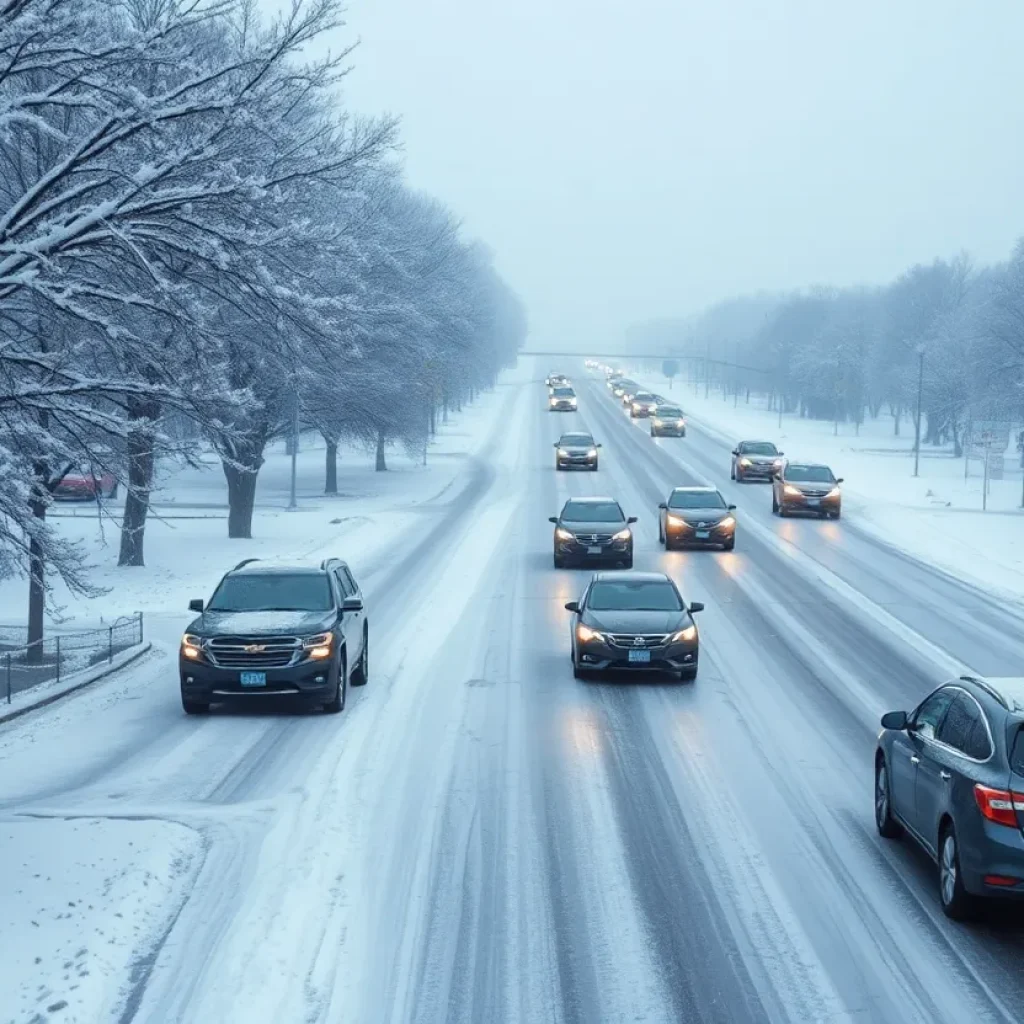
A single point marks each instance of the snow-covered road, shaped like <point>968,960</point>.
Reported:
<point>479,837</point>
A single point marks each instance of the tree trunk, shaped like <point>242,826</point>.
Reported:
<point>140,480</point>
<point>241,500</point>
<point>36,582</point>
<point>381,466</point>
<point>331,486</point>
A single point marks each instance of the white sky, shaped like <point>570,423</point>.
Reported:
<point>645,158</point>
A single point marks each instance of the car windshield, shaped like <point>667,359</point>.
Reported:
<point>696,499</point>
<point>592,512</point>
<point>810,474</point>
<point>634,596</point>
<point>266,592</point>
<point>758,448</point>
<point>669,412</point>
<point>643,396</point>
<point>576,440</point>
<point>564,392</point>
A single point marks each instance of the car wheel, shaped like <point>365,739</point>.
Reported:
<point>593,468</point>
<point>559,563</point>
<point>361,676</point>
<point>195,707</point>
<point>775,505</point>
<point>729,545</point>
<point>837,514</point>
<point>687,675</point>
<point>559,466</point>
<point>888,827</point>
<point>783,511</point>
<point>682,433</point>
<point>578,672</point>
<point>627,563</point>
<point>957,902</point>
<point>332,707</point>
<point>732,474</point>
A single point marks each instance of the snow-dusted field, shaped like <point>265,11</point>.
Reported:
<point>479,837</point>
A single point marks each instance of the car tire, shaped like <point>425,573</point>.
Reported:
<point>687,675</point>
<point>559,467</point>
<point>775,504</point>
<point>627,563</point>
<point>732,474</point>
<point>957,903</point>
<point>682,433</point>
<point>559,563</point>
<point>195,707</point>
<point>888,827</point>
<point>838,514</point>
<point>593,468</point>
<point>332,707</point>
<point>578,672</point>
<point>361,673</point>
<point>729,545</point>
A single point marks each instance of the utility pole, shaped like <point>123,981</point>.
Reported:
<point>707,370</point>
<point>292,503</point>
<point>917,422</point>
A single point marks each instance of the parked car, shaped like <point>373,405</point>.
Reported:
<point>275,630</point>
<point>668,421</point>
<point>634,621</point>
<point>590,530</point>
<point>86,483</point>
<point>950,774</point>
<point>755,460</point>
<point>696,517</point>
<point>806,487</point>
<point>577,450</point>
<point>562,399</point>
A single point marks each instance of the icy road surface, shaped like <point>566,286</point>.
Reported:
<point>479,838</point>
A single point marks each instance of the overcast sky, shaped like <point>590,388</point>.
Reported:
<point>644,158</point>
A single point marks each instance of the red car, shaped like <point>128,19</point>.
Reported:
<point>86,484</point>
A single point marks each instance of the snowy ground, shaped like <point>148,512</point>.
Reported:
<point>936,516</point>
<point>481,838</point>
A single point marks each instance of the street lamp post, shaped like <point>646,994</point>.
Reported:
<point>917,421</point>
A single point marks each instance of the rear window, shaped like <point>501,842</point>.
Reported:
<point>592,512</point>
<point>640,596</point>
<point>272,592</point>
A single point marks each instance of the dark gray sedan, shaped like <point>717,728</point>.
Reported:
<point>576,451</point>
<point>594,531</point>
<point>696,517</point>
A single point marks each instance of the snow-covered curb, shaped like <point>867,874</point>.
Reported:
<point>47,693</point>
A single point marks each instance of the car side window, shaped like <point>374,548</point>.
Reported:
<point>958,724</point>
<point>339,579</point>
<point>929,714</point>
<point>353,587</point>
<point>1017,753</point>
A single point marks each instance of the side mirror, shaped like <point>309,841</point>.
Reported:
<point>599,445</point>
<point>735,451</point>
<point>572,606</point>
<point>839,480</point>
<point>555,445</point>
<point>352,604</point>
<point>696,606</point>
<point>731,508</point>
<point>662,504</point>
<point>779,455</point>
<point>553,519</point>
<point>630,519</point>
<point>196,604</point>
<point>894,720</point>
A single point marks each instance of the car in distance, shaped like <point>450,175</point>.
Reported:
<point>755,460</point>
<point>621,386</point>
<point>273,630</point>
<point>555,380</point>
<point>696,517</point>
<point>628,392</point>
<point>950,774</point>
<point>562,399</point>
<point>806,487</point>
<point>576,450</point>
<point>642,405</point>
<point>668,421</point>
<point>635,621</point>
<point>590,530</point>
<point>85,483</point>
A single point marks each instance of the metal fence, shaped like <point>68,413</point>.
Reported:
<point>23,666</point>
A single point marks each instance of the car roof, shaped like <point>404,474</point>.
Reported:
<point>592,500</point>
<point>631,576</point>
<point>257,566</point>
<point>696,490</point>
<point>1008,690</point>
<point>757,440</point>
<point>577,433</point>
<point>804,462</point>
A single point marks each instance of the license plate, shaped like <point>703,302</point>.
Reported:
<point>639,656</point>
<point>703,534</point>
<point>254,679</point>
<point>594,550</point>
<point>813,502</point>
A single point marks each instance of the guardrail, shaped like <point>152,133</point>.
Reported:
<point>49,660</point>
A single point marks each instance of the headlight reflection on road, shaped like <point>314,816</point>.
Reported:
<point>581,731</point>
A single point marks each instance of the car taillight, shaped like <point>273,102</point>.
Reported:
<point>999,805</point>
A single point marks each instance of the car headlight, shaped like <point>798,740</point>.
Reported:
<point>727,522</point>
<point>585,634</point>
<point>777,464</point>
<point>592,454</point>
<point>564,534</point>
<point>623,535</point>
<point>657,422</point>
<point>192,646</point>
<point>562,453</point>
<point>319,647</point>
<point>792,491</point>
<point>572,401</point>
<point>681,423</point>
<point>684,636</point>
<point>745,462</point>
<point>834,493</point>
<point>676,521</point>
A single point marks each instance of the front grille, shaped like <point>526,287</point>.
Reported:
<point>254,652</point>
<point>593,539</point>
<point>629,640</point>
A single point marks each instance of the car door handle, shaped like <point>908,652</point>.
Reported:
<point>945,776</point>
<point>914,759</point>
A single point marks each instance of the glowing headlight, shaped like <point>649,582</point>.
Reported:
<point>572,401</point>
<point>622,535</point>
<point>676,521</point>
<point>727,522</point>
<point>777,464</point>
<point>684,635</point>
<point>191,646</point>
<point>681,423</point>
<point>563,534</point>
<point>592,454</point>
<point>562,453</point>
<point>793,492</point>
<point>319,646</point>
<point>745,462</point>
<point>585,634</point>
<point>834,493</point>
<point>657,422</point>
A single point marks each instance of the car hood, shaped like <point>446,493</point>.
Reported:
<point>576,448</point>
<point>813,490</point>
<point>699,515</point>
<point>592,528</point>
<point>636,622</point>
<point>761,460</point>
<point>261,623</point>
